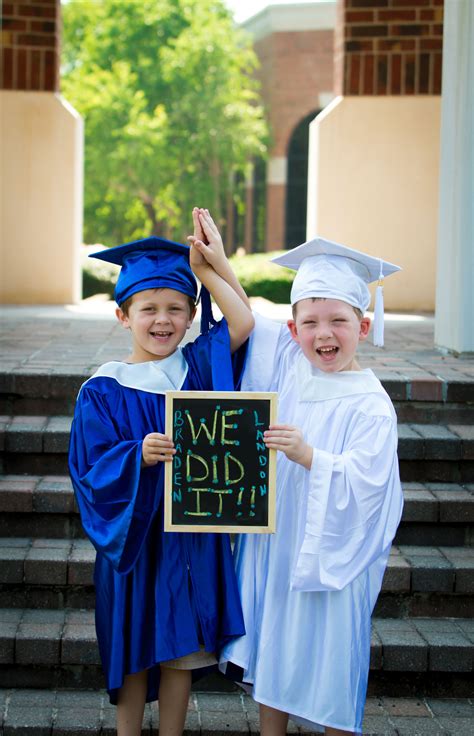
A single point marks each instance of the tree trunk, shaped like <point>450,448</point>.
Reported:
<point>158,227</point>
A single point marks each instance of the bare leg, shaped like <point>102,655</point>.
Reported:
<point>175,686</point>
<point>272,722</point>
<point>131,704</point>
<point>336,732</point>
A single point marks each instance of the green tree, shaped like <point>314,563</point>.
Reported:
<point>171,110</point>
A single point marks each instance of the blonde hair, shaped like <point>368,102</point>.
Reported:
<point>125,306</point>
<point>358,312</point>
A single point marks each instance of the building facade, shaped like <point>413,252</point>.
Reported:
<point>42,162</point>
<point>295,47</point>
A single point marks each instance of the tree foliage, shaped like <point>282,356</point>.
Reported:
<point>171,111</point>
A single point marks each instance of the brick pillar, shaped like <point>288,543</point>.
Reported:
<point>30,45</point>
<point>389,47</point>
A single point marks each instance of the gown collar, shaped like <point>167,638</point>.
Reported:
<point>315,385</point>
<point>154,376</point>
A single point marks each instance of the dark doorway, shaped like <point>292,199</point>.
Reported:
<point>297,183</point>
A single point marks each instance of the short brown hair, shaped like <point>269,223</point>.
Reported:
<point>323,299</point>
<point>125,306</point>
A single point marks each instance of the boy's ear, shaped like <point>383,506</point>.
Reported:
<point>293,330</point>
<point>191,317</point>
<point>364,328</point>
<point>122,318</point>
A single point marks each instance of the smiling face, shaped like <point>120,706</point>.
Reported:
<point>328,332</point>
<point>158,320</point>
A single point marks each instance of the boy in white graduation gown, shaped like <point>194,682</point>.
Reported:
<point>308,591</point>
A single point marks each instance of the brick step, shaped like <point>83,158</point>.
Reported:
<point>444,413</point>
<point>58,648</point>
<point>427,452</point>
<point>75,713</point>
<point>46,391</point>
<point>58,573</point>
<point>44,506</point>
<point>34,435</point>
<point>37,393</point>
<point>32,568</point>
<point>418,471</point>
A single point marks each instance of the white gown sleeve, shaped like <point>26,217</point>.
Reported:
<point>354,505</point>
<point>267,342</point>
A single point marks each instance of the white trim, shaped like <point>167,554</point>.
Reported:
<point>315,385</point>
<point>318,16</point>
<point>324,99</point>
<point>154,376</point>
<point>277,170</point>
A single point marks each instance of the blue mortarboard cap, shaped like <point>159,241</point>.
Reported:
<point>156,263</point>
<point>150,263</point>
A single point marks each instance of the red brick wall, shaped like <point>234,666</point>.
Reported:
<point>30,45</point>
<point>295,68</point>
<point>390,47</point>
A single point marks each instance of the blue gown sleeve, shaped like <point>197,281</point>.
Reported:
<point>212,365</point>
<point>116,497</point>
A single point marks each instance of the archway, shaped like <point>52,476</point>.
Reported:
<point>297,183</point>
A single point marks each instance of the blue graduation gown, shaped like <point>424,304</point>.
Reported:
<point>158,595</point>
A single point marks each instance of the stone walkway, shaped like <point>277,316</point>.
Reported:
<point>76,339</point>
<point>72,341</point>
<point>66,713</point>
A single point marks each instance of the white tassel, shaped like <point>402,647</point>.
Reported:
<point>379,311</point>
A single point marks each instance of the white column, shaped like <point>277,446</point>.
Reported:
<point>454,325</point>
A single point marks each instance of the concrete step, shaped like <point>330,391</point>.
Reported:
<point>40,506</point>
<point>428,452</point>
<point>423,397</point>
<point>66,713</point>
<point>47,573</point>
<point>77,713</point>
<point>44,506</point>
<point>58,573</point>
<point>58,648</point>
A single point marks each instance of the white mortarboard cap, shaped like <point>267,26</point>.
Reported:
<point>334,271</point>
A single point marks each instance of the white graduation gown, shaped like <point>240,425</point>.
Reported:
<point>308,591</point>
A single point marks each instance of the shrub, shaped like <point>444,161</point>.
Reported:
<point>98,277</point>
<point>260,277</point>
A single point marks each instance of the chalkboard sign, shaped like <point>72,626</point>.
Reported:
<point>222,477</point>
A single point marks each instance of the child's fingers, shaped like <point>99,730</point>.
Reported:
<point>198,231</point>
<point>195,241</point>
<point>152,455</point>
<point>161,458</point>
<point>208,225</point>
<point>158,436</point>
<point>281,426</point>
<point>278,444</point>
<point>199,245</point>
<point>285,439</point>
<point>157,446</point>
<point>157,440</point>
<point>204,250</point>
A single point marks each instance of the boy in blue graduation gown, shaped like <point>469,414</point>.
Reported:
<point>166,603</point>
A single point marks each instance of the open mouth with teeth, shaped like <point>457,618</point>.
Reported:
<point>328,352</point>
<point>160,334</point>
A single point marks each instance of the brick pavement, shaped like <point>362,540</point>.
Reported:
<point>76,339</point>
<point>51,344</point>
<point>69,713</point>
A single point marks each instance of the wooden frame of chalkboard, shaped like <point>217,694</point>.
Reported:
<point>222,477</point>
